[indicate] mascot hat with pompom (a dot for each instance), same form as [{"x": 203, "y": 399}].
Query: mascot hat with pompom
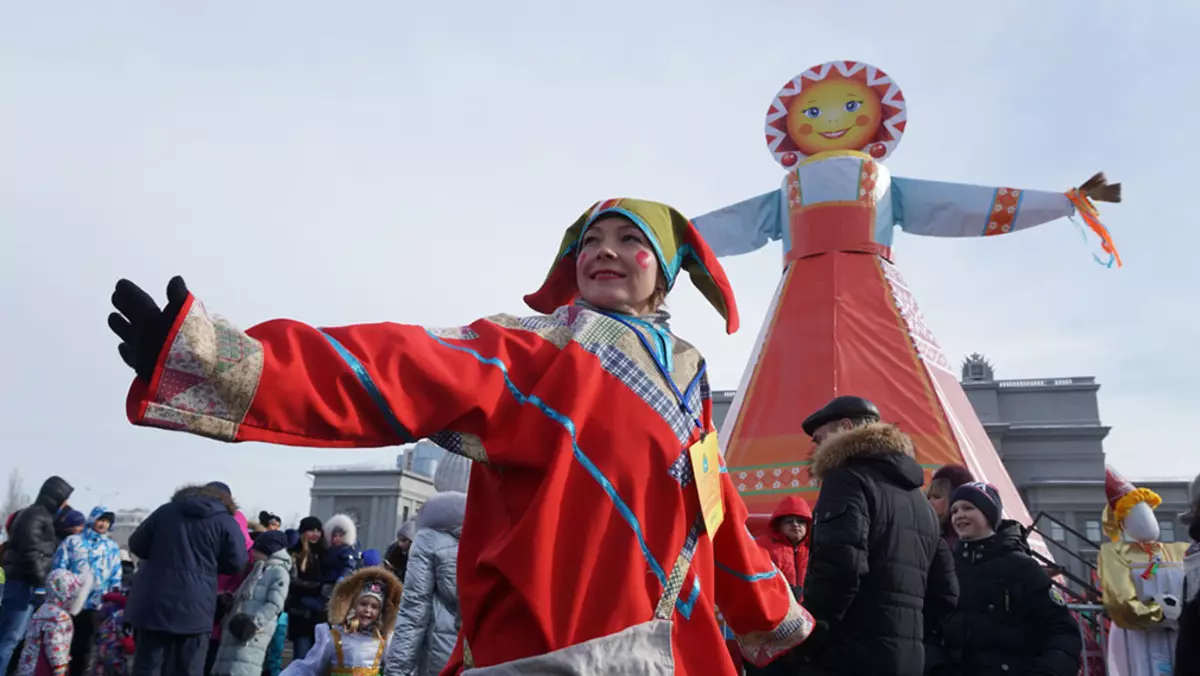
[
  {"x": 1122, "y": 496},
  {"x": 677, "y": 245}
]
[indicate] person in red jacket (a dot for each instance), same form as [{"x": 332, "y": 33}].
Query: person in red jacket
[{"x": 787, "y": 541}]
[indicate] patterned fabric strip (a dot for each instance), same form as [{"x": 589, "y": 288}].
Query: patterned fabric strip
[
  {"x": 670, "y": 597},
  {"x": 208, "y": 379}
]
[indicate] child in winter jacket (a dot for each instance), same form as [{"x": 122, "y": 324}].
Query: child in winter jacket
[
  {"x": 47, "y": 649},
  {"x": 1010, "y": 618},
  {"x": 788, "y": 540},
  {"x": 114, "y": 638},
  {"x": 362, "y": 615},
  {"x": 259, "y": 600}
]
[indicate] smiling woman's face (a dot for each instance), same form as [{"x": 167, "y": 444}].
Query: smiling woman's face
[{"x": 616, "y": 268}]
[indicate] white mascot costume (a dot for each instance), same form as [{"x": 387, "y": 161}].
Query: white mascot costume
[{"x": 1142, "y": 582}]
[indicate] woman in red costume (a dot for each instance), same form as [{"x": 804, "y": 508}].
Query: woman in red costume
[{"x": 602, "y": 527}]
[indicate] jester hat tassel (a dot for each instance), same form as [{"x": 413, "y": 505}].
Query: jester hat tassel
[{"x": 677, "y": 245}]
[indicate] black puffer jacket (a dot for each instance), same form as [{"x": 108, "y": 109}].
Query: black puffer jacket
[
  {"x": 1010, "y": 619},
  {"x": 1187, "y": 645},
  {"x": 878, "y": 562},
  {"x": 183, "y": 545},
  {"x": 30, "y": 550}
]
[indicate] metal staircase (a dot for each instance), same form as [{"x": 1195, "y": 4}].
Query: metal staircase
[{"x": 1083, "y": 597}]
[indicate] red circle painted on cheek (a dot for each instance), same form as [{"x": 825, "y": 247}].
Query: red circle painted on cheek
[
  {"x": 644, "y": 259},
  {"x": 862, "y": 121},
  {"x": 805, "y": 129}
]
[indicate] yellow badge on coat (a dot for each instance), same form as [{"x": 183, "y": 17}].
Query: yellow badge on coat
[{"x": 706, "y": 466}]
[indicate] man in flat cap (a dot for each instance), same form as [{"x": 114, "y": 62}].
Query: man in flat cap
[{"x": 878, "y": 564}]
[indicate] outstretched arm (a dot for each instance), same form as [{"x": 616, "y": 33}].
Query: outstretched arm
[
  {"x": 356, "y": 386},
  {"x": 941, "y": 209},
  {"x": 944, "y": 209},
  {"x": 743, "y": 227}
]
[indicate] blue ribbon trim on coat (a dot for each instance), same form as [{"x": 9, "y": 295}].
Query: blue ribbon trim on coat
[
  {"x": 368, "y": 384},
  {"x": 567, "y": 424}
]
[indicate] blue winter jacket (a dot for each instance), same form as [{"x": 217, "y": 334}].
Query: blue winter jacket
[{"x": 183, "y": 546}]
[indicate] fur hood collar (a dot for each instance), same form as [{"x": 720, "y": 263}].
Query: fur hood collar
[
  {"x": 443, "y": 512},
  {"x": 345, "y": 524},
  {"x": 348, "y": 590},
  {"x": 869, "y": 442}
]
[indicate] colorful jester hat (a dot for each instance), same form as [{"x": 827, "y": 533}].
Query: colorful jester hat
[{"x": 677, "y": 244}]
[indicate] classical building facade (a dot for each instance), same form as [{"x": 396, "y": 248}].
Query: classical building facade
[
  {"x": 1050, "y": 438},
  {"x": 378, "y": 499}
]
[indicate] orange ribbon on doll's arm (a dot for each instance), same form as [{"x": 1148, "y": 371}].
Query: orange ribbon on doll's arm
[{"x": 1091, "y": 215}]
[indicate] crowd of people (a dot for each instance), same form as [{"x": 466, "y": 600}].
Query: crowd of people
[{"x": 203, "y": 590}]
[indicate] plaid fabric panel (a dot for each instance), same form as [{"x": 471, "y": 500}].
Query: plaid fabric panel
[
  {"x": 666, "y": 604},
  {"x": 622, "y": 354},
  {"x": 455, "y": 333},
  {"x": 627, "y": 370},
  {"x": 460, "y": 443}
]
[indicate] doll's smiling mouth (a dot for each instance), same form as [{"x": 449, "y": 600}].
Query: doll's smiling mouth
[{"x": 834, "y": 134}]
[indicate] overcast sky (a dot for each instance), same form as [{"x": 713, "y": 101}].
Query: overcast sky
[{"x": 417, "y": 162}]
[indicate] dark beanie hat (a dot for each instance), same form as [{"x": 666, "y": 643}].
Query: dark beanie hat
[
  {"x": 957, "y": 475},
  {"x": 310, "y": 523},
  {"x": 984, "y": 496},
  {"x": 73, "y": 518},
  {"x": 265, "y": 518},
  {"x": 271, "y": 541},
  {"x": 220, "y": 486}
]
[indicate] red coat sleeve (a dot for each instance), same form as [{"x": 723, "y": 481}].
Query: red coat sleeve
[
  {"x": 366, "y": 385},
  {"x": 752, "y": 594}
]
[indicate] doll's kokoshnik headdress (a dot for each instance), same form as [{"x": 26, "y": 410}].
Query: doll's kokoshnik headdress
[
  {"x": 677, "y": 245},
  {"x": 376, "y": 582}
]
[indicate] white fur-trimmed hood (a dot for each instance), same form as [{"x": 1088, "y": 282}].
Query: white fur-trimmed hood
[
  {"x": 443, "y": 512},
  {"x": 345, "y": 524}
]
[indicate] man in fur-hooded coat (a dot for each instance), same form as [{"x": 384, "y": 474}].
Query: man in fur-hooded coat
[
  {"x": 878, "y": 562},
  {"x": 428, "y": 624},
  {"x": 183, "y": 545}
]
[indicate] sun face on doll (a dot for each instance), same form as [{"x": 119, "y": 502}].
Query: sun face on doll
[
  {"x": 834, "y": 114},
  {"x": 616, "y": 268}
]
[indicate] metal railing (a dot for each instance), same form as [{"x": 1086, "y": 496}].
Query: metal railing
[
  {"x": 1089, "y": 591},
  {"x": 1048, "y": 382}
]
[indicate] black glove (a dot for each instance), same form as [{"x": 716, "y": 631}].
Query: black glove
[
  {"x": 141, "y": 326},
  {"x": 242, "y": 627},
  {"x": 224, "y": 605}
]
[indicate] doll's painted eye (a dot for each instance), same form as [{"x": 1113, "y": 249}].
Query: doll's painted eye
[
  {"x": 852, "y": 106},
  {"x": 812, "y": 112}
]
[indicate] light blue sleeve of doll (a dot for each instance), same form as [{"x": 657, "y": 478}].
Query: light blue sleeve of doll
[
  {"x": 941, "y": 209},
  {"x": 743, "y": 227}
]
